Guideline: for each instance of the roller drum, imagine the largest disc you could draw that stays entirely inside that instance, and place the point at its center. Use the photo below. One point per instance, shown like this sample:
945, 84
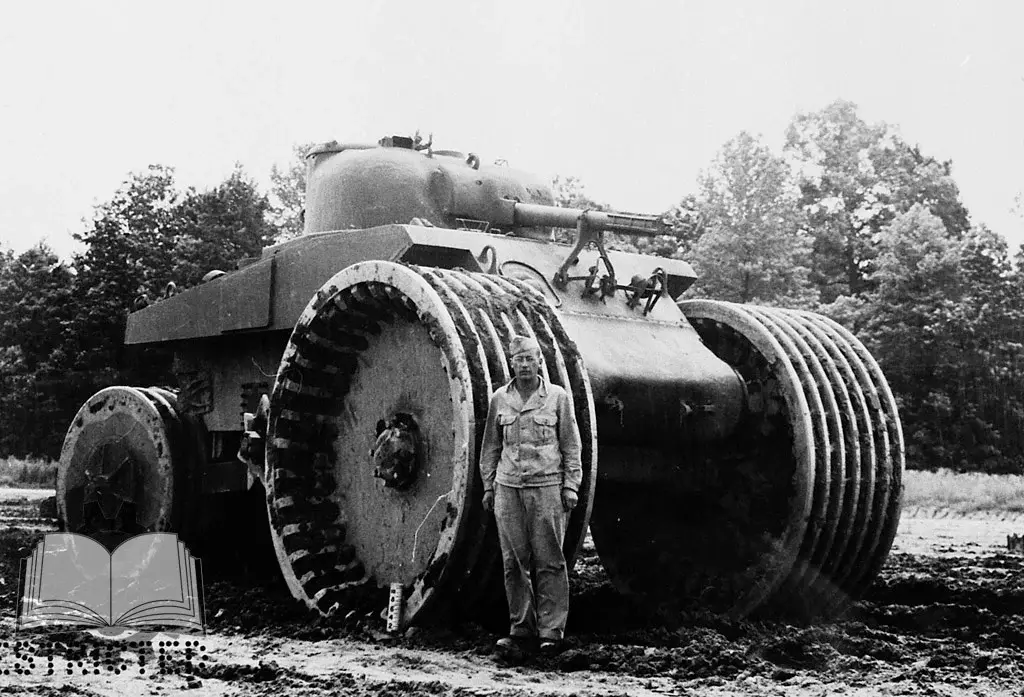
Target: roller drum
846, 477
390, 369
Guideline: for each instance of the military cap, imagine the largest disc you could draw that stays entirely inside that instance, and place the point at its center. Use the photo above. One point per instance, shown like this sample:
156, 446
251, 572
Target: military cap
520, 344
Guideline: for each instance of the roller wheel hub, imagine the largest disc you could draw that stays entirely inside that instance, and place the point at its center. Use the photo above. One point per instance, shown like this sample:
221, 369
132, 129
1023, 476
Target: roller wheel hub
395, 452
110, 481
116, 475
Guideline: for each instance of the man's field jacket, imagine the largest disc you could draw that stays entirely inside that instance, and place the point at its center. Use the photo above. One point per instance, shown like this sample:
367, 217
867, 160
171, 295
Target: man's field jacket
531, 444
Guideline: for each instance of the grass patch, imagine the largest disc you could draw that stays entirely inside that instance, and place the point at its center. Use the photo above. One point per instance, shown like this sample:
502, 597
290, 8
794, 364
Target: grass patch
968, 492
17, 473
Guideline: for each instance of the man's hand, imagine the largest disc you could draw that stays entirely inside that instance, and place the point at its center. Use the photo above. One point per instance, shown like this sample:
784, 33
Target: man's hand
489, 501
569, 500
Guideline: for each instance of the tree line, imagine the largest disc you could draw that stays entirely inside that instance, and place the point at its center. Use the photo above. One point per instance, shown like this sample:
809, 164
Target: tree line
849, 220
62, 323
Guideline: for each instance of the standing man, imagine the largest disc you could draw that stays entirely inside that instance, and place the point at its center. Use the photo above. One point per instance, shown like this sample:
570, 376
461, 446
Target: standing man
531, 470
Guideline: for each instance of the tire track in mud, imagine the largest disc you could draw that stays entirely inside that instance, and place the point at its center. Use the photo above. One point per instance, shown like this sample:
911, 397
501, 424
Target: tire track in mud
947, 612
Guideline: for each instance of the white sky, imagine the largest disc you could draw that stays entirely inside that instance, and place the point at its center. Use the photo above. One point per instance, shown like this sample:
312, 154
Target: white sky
632, 97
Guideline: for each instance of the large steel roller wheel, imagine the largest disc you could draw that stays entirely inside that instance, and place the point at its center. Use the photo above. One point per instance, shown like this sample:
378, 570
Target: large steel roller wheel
375, 424
806, 501
119, 472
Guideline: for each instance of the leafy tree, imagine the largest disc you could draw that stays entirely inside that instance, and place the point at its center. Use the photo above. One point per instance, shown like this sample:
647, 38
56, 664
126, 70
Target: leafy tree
921, 179
754, 248
570, 192
991, 345
855, 178
288, 194
61, 338
942, 323
686, 222
908, 322
214, 229
36, 294
130, 246
149, 235
38, 300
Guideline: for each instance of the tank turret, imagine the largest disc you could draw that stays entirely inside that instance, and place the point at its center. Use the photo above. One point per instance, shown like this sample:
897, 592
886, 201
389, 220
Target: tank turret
358, 186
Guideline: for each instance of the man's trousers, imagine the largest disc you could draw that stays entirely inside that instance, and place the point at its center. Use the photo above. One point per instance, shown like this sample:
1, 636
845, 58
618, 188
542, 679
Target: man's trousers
531, 527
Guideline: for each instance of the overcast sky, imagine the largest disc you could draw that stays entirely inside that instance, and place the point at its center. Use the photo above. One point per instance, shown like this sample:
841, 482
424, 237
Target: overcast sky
632, 97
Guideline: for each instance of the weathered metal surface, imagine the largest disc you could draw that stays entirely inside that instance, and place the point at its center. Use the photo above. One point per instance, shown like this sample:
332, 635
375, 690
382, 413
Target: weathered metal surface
324, 419
236, 301
222, 378
365, 188
885, 521
836, 509
654, 382
249, 309
396, 452
118, 451
806, 576
533, 215
303, 265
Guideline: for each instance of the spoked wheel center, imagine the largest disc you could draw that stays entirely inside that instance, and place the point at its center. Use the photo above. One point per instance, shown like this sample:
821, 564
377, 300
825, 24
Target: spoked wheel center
108, 494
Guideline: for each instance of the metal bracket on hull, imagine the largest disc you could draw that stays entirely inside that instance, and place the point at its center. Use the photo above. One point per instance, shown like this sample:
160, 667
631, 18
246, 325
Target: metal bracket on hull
651, 288
585, 236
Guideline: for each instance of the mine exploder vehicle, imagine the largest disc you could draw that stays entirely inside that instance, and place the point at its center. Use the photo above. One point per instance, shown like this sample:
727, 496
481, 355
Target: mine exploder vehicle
735, 457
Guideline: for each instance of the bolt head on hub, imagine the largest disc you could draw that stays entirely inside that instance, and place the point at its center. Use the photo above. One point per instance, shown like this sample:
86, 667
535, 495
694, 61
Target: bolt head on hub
394, 454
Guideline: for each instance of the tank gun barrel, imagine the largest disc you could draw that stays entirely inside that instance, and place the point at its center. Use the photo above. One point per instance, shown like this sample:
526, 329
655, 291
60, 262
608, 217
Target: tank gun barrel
536, 215
590, 226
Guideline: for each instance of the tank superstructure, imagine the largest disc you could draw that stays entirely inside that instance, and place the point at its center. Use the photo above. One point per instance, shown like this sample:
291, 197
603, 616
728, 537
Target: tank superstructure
735, 457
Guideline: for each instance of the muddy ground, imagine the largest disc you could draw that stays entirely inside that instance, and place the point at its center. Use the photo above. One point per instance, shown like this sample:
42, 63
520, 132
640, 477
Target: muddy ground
945, 617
